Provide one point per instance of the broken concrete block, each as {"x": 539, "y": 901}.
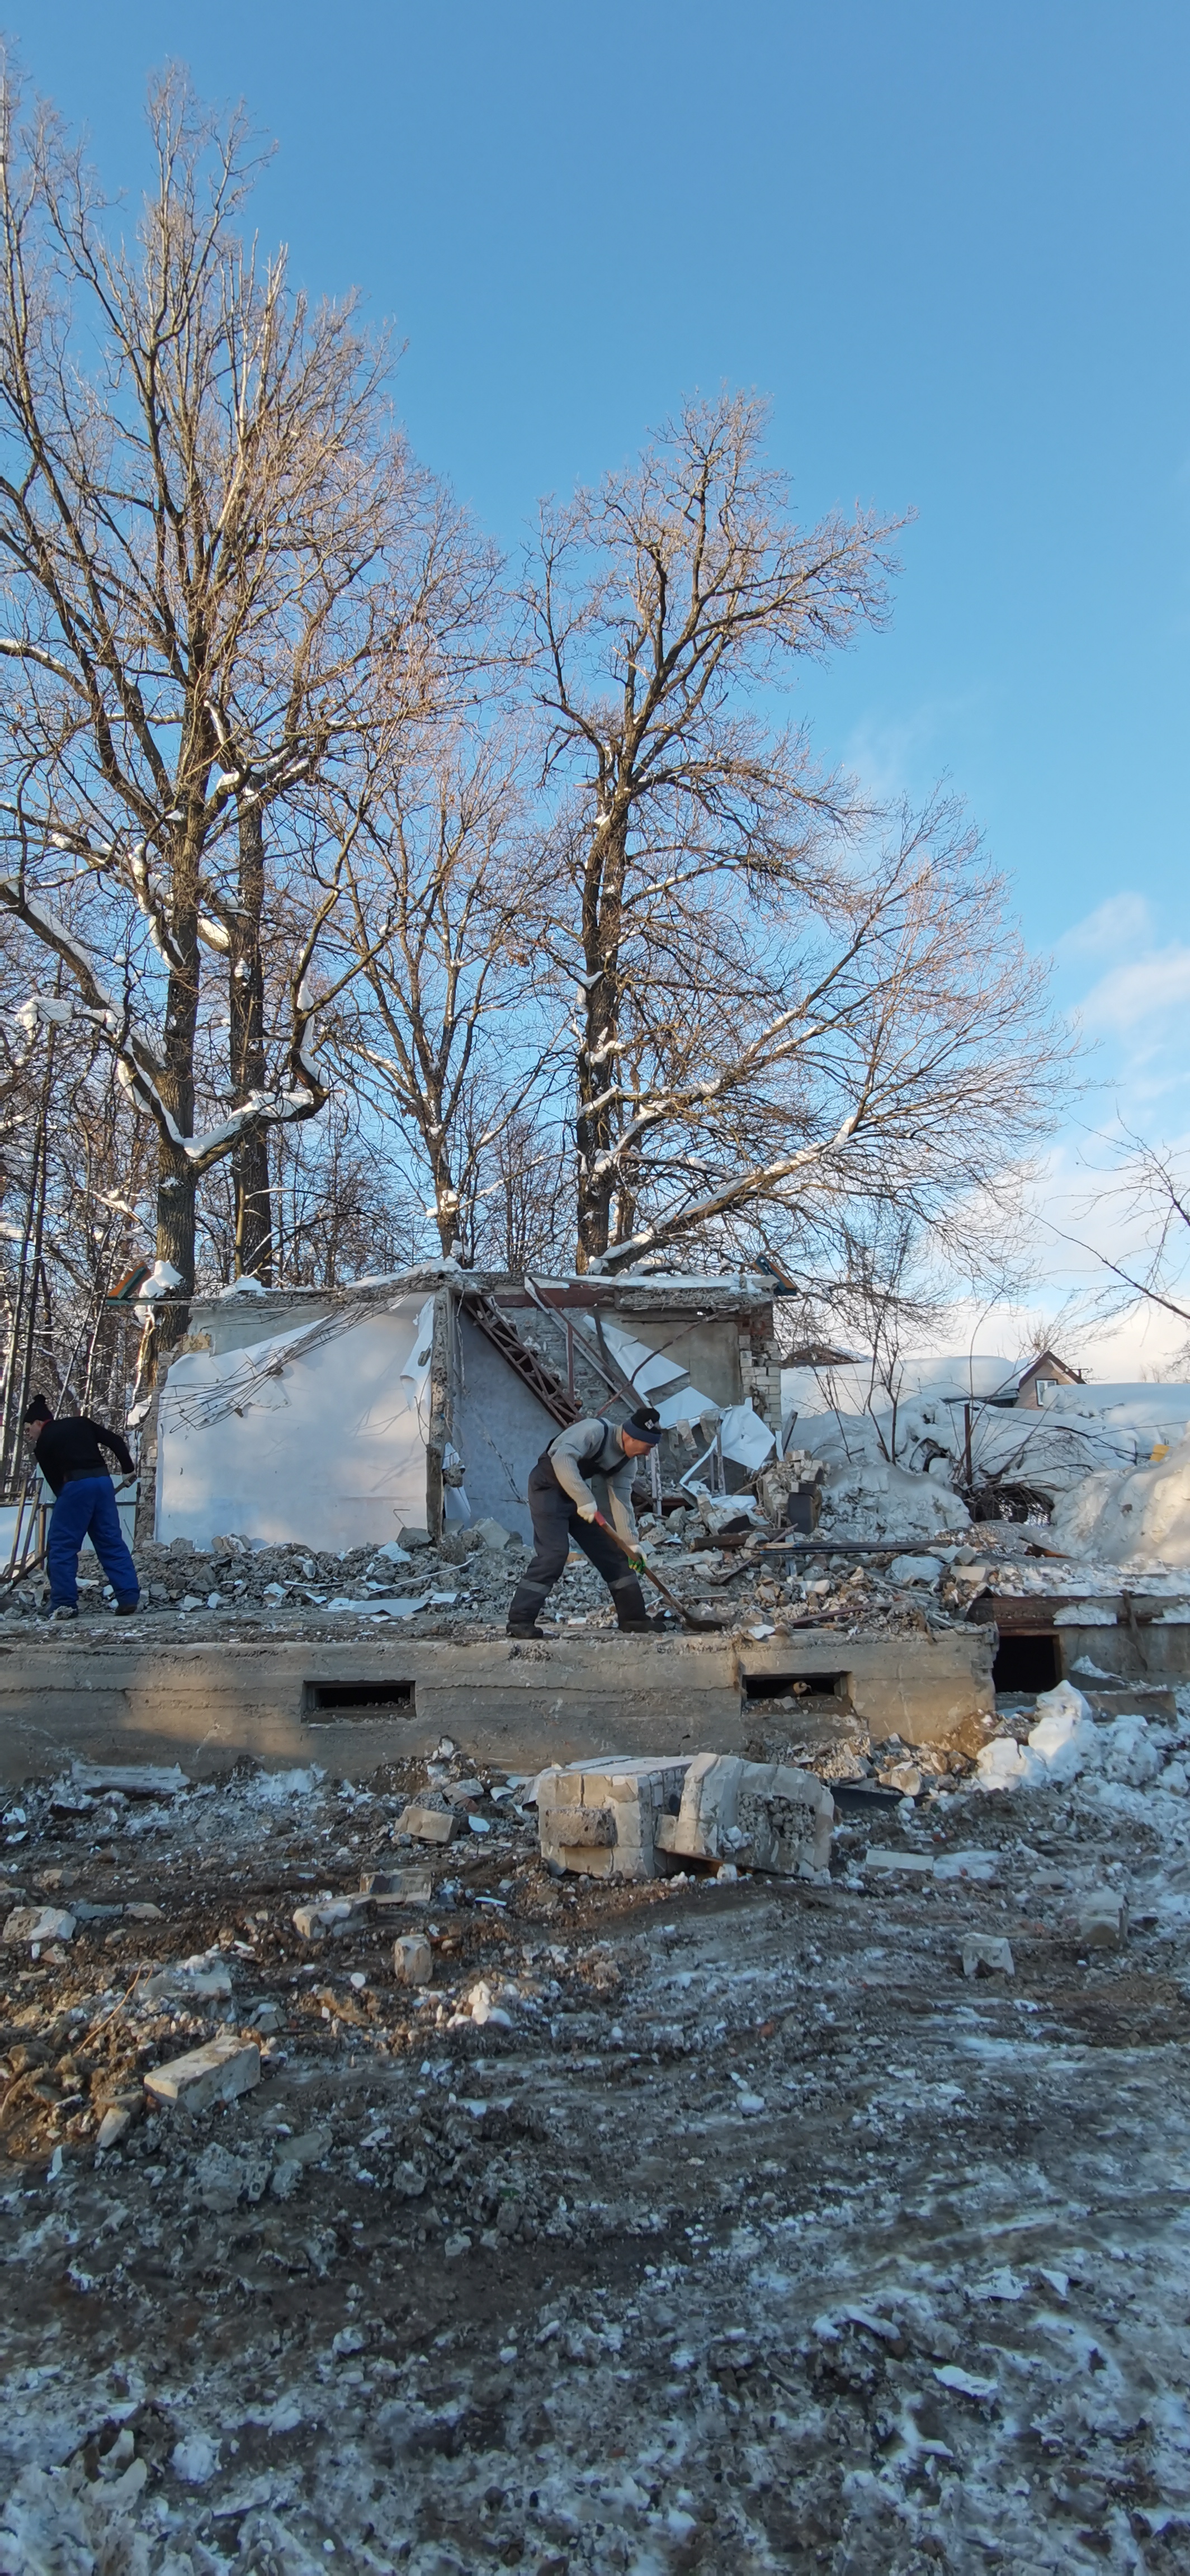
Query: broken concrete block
{"x": 592, "y": 1828}
{"x": 426, "y": 1824}
{"x": 133, "y": 1780}
{"x": 118, "y": 2119}
{"x": 903, "y": 1776}
{"x": 112, "y": 2128}
{"x": 982, "y": 1867}
{"x": 413, "y": 1960}
{"x": 268, "y": 2019}
{"x": 413, "y": 1537}
{"x": 916, "y": 1569}
{"x": 216, "y": 2073}
{"x": 392, "y": 1887}
{"x": 986, "y": 1954}
{"x": 200, "y": 1978}
{"x": 492, "y": 1534}
{"x": 39, "y": 1923}
{"x": 309, "y": 2148}
{"x": 762, "y": 1815}
{"x": 220, "y": 2179}
{"x": 603, "y": 1818}
{"x": 483, "y": 2008}
{"x": 329, "y": 1914}
{"x": 1103, "y": 1920}
{"x": 880, "y": 1862}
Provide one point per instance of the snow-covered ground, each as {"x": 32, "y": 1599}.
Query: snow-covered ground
{"x": 747, "y": 2231}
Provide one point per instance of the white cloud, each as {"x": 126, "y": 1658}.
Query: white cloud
{"x": 1142, "y": 993}
{"x": 898, "y": 756}
{"x": 1119, "y": 923}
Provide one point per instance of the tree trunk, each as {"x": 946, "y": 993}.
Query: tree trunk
{"x": 597, "y": 1060}
{"x": 250, "y": 1164}
{"x": 446, "y": 1202}
{"x": 176, "y": 1184}
{"x": 20, "y": 1347}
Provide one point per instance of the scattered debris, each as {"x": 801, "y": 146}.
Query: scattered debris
{"x": 38, "y": 1923}
{"x": 650, "y": 2190}
{"x": 217, "y": 2072}
{"x": 426, "y": 1824}
{"x": 985, "y": 1955}
{"x": 413, "y": 1960}
{"x": 1103, "y": 1919}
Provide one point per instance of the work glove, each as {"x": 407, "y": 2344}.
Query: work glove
{"x": 591, "y": 1512}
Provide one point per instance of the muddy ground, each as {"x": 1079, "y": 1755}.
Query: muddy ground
{"x": 676, "y": 2227}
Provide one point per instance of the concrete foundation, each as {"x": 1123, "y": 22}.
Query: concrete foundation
{"x": 352, "y": 1704}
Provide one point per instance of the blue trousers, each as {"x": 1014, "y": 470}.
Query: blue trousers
{"x": 86, "y": 1508}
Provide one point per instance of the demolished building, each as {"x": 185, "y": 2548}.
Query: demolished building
{"x": 337, "y": 1417}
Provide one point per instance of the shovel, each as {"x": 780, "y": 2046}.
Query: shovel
{"x": 689, "y": 1618}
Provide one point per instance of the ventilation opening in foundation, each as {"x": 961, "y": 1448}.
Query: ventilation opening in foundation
{"x": 797, "y": 1686}
{"x": 1026, "y": 1663}
{"x": 357, "y": 1699}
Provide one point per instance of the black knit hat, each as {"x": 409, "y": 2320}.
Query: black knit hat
{"x": 644, "y": 1424}
{"x": 38, "y": 1410}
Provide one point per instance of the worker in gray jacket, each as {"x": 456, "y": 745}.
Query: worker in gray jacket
{"x": 566, "y": 1514}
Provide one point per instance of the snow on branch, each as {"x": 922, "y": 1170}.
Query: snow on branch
{"x": 745, "y": 1187}
{"x": 25, "y": 652}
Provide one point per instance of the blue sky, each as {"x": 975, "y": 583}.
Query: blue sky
{"x": 950, "y": 241}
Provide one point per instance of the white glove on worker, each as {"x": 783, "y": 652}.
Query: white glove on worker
{"x": 588, "y": 1511}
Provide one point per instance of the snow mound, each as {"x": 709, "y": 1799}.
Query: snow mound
{"x": 1126, "y": 1756}
{"x": 868, "y": 1499}
{"x": 1123, "y": 1519}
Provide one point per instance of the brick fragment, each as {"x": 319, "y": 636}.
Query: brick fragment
{"x": 215, "y": 2073}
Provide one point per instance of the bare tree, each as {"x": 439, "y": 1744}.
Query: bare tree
{"x": 886, "y": 1034}
{"x": 787, "y": 1001}
{"x": 442, "y": 1029}
{"x": 202, "y": 509}
{"x": 1148, "y": 1207}
{"x": 337, "y": 1213}
{"x": 75, "y": 1159}
{"x": 658, "y": 604}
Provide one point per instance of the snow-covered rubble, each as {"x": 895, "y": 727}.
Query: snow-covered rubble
{"x": 1139, "y": 1517}
{"x": 867, "y": 1498}
{"x": 669, "y": 2226}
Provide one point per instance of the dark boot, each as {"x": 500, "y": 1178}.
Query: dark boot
{"x": 522, "y": 1612}
{"x": 631, "y": 1616}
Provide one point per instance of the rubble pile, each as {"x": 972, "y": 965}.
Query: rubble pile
{"x": 721, "y": 1556}
{"x": 412, "y": 2208}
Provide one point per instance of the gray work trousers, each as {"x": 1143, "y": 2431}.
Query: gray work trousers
{"x": 556, "y": 1529}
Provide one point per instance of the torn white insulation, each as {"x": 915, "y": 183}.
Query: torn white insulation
{"x": 307, "y": 1436}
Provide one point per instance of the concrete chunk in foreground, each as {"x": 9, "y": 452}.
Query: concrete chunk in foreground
{"x": 762, "y": 1815}
{"x": 602, "y": 1818}
{"x": 215, "y": 2073}
{"x": 39, "y": 1923}
{"x": 426, "y": 1824}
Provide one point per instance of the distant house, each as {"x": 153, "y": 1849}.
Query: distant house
{"x": 1038, "y": 1384}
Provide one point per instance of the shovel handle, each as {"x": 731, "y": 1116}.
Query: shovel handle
{"x": 689, "y": 1618}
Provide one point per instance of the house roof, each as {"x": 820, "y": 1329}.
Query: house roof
{"x": 1045, "y": 1365}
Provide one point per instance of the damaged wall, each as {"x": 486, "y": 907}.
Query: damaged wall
{"x": 500, "y": 1431}
{"x": 295, "y": 1415}
{"x": 284, "y": 1438}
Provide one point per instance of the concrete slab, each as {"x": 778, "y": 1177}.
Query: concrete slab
{"x": 354, "y": 1703}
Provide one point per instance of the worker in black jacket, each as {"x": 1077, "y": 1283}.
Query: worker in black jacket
{"x": 566, "y": 1514}
{"x": 69, "y": 1454}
